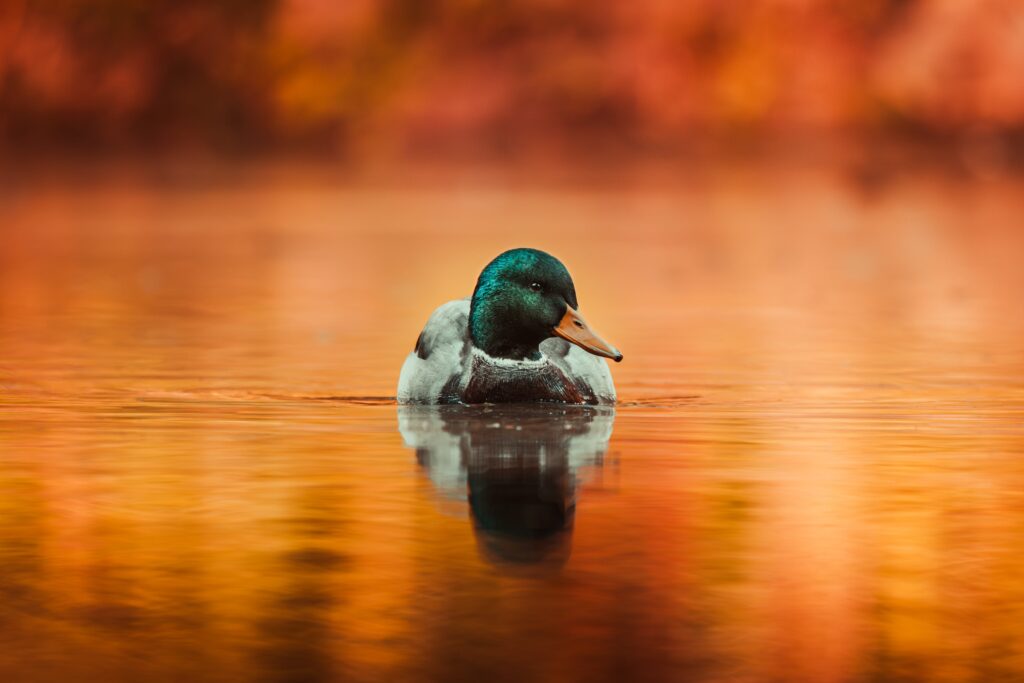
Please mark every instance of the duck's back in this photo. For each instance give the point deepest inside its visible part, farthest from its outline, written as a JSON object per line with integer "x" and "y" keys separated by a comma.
{"x": 440, "y": 358}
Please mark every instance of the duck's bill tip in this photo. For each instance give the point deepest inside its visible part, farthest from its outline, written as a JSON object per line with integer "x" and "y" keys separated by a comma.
{"x": 573, "y": 328}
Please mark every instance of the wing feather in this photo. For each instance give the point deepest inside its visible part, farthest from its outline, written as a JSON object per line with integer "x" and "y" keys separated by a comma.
{"x": 440, "y": 357}
{"x": 582, "y": 367}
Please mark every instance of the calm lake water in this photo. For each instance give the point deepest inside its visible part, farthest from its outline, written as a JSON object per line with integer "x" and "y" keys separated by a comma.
{"x": 815, "y": 473}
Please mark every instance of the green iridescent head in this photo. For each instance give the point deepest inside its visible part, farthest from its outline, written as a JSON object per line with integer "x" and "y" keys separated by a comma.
{"x": 523, "y": 297}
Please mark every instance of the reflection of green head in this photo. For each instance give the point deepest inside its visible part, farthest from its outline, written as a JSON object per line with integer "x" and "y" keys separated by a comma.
{"x": 520, "y": 297}
{"x": 522, "y": 514}
{"x": 521, "y": 503}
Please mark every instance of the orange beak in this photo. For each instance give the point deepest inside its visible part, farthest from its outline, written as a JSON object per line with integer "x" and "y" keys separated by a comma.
{"x": 573, "y": 328}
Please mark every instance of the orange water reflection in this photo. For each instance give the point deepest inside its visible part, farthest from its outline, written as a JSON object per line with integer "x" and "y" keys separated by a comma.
{"x": 517, "y": 466}
{"x": 814, "y": 475}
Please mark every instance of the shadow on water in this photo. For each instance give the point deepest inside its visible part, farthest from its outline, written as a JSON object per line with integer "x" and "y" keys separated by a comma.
{"x": 518, "y": 467}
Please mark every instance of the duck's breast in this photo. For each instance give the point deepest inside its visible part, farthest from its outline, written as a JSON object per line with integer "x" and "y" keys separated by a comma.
{"x": 496, "y": 381}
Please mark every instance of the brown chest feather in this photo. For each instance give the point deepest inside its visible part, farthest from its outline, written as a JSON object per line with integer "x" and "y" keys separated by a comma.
{"x": 490, "y": 383}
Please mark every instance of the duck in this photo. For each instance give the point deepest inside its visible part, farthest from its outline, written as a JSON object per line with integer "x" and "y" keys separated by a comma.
{"x": 519, "y": 338}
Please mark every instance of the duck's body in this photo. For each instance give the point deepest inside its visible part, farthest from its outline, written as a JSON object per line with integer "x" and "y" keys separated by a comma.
{"x": 510, "y": 342}
{"x": 446, "y": 367}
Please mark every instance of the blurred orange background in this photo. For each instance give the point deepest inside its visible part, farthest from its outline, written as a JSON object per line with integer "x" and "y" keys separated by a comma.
{"x": 538, "y": 77}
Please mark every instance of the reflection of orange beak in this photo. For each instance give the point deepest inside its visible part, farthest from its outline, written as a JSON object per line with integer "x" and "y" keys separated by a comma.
{"x": 573, "y": 328}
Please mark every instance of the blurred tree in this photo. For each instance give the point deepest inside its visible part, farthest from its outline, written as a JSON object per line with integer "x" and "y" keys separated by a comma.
{"x": 415, "y": 75}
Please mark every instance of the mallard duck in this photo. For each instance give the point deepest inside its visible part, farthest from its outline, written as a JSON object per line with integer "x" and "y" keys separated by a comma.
{"x": 519, "y": 338}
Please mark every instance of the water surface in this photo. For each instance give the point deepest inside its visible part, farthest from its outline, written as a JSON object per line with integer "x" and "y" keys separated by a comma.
{"x": 814, "y": 473}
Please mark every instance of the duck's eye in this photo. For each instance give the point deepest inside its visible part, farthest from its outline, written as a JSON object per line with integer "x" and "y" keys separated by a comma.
{"x": 536, "y": 286}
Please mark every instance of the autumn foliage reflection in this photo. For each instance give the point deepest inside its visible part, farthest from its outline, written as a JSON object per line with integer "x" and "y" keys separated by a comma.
{"x": 409, "y": 75}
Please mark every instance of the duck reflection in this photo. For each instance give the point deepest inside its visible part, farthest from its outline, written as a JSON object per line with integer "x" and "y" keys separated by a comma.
{"x": 519, "y": 467}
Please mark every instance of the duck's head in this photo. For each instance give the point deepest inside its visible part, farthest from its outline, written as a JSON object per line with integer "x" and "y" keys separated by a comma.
{"x": 523, "y": 297}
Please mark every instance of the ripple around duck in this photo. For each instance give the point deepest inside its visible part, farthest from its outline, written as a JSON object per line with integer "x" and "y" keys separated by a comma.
{"x": 345, "y": 400}
{"x": 660, "y": 402}
{"x": 260, "y": 396}
{"x": 665, "y": 402}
